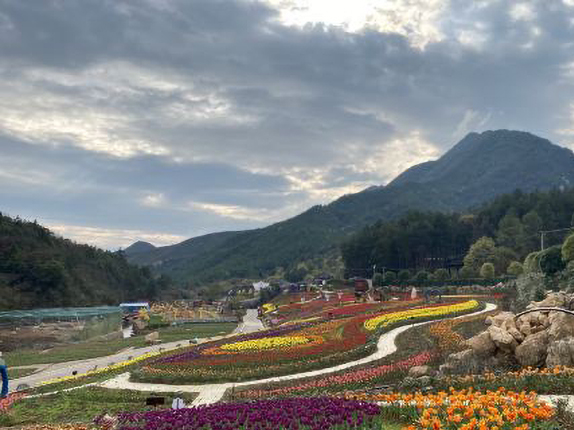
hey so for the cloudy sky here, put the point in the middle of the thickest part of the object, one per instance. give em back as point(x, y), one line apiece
point(165, 119)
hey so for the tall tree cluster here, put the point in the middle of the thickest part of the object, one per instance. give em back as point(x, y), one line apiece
point(39, 269)
point(501, 233)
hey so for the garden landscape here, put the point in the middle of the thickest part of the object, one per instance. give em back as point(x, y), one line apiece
point(286, 215)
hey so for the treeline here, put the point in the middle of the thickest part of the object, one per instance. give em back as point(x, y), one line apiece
point(39, 269)
point(429, 240)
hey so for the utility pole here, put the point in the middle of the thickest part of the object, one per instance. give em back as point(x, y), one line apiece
point(543, 232)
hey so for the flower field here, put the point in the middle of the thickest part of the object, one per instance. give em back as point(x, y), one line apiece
point(295, 414)
point(471, 410)
point(310, 344)
point(428, 312)
point(348, 380)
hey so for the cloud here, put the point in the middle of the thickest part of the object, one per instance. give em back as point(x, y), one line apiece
point(182, 117)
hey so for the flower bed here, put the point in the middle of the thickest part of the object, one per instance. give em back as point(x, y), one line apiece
point(300, 414)
point(345, 380)
point(412, 314)
point(286, 349)
point(470, 410)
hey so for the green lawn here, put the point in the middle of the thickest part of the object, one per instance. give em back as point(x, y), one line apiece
point(93, 349)
point(20, 373)
point(79, 406)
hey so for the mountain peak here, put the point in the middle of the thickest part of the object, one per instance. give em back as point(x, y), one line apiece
point(139, 247)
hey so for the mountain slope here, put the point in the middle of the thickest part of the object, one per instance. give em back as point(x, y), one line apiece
point(39, 269)
point(478, 168)
point(139, 246)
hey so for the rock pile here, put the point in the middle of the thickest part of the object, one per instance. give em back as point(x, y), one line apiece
point(544, 338)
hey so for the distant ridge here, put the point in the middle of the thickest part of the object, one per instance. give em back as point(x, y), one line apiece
point(138, 247)
point(479, 167)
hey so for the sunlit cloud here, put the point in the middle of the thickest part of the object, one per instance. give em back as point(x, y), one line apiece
point(109, 238)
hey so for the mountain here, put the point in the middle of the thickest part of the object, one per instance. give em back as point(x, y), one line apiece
point(138, 247)
point(39, 269)
point(478, 168)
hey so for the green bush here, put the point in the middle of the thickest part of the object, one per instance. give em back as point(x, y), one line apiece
point(515, 269)
point(487, 271)
point(568, 249)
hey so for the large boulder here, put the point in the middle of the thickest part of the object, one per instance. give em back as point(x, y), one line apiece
point(499, 319)
point(560, 353)
point(561, 325)
point(556, 300)
point(502, 339)
point(482, 344)
point(510, 327)
point(418, 371)
point(532, 352)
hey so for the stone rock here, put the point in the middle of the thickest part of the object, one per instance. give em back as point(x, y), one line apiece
point(153, 337)
point(525, 329)
point(558, 300)
point(511, 329)
point(532, 352)
point(502, 339)
point(462, 362)
point(499, 319)
point(560, 353)
point(482, 344)
point(418, 371)
point(561, 326)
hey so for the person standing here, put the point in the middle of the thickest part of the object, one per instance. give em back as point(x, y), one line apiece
point(4, 374)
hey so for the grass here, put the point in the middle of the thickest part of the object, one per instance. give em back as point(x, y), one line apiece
point(94, 349)
point(20, 373)
point(80, 406)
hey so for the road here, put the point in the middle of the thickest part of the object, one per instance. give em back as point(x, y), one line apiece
point(48, 372)
point(250, 323)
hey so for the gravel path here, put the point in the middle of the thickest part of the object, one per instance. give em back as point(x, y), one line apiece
point(212, 393)
point(58, 370)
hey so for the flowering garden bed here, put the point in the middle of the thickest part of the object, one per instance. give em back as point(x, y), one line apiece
point(293, 414)
point(288, 349)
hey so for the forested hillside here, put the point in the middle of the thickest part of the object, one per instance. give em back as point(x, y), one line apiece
point(430, 240)
point(38, 269)
point(477, 169)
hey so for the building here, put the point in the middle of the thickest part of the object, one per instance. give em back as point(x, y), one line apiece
point(130, 308)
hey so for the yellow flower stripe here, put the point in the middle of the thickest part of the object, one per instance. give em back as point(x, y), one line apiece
point(266, 343)
point(394, 317)
point(103, 369)
point(268, 307)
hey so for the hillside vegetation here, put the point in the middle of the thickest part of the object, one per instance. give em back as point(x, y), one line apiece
point(429, 240)
point(39, 269)
point(477, 169)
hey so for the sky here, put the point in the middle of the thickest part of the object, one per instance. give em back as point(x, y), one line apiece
point(160, 120)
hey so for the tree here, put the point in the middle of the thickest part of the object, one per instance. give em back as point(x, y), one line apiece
point(515, 269)
point(551, 260)
point(378, 280)
point(510, 231)
point(441, 275)
point(466, 273)
point(422, 276)
point(532, 226)
point(482, 251)
point(531, 263)
point(568, 249)
point(503, 256)
point(487, 271)
point(404, 275)
point(390, 277)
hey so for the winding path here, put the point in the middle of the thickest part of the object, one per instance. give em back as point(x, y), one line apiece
point(212, 393)
point(48, 372)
